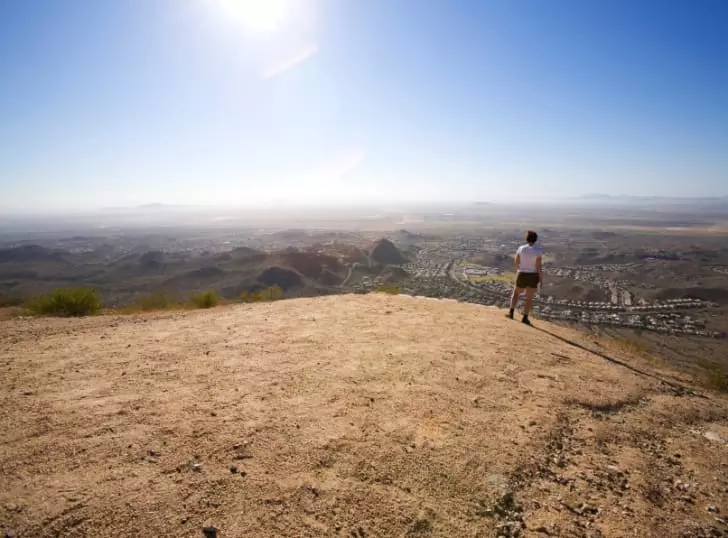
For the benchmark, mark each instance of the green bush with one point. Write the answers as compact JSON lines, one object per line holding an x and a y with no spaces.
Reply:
{"x":273,"y":293}
{"x":67,"y":302}
{"x":154,"y":301}
{"x":387,"y":288}
{"x":206,"y":299}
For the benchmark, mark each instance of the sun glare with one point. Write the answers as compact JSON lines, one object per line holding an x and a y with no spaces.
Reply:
{"x":255,"y":15}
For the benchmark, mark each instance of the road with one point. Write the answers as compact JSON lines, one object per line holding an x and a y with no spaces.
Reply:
{"x":348,"y":275}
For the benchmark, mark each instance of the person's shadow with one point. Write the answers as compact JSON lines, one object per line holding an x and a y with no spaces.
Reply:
{"x":678,"y":389}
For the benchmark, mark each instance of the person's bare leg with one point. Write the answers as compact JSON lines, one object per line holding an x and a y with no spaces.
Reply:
{"x":514,"y":300}
{"x":530,"y":292}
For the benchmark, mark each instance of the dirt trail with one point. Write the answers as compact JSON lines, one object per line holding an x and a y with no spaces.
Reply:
{"x":356,"y":416}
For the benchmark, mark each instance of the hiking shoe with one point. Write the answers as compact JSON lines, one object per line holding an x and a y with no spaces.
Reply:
{"x":509,"y":315}
{"x":526,"y":321}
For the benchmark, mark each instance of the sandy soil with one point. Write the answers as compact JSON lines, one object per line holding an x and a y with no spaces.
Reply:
{"x":357,"y":416}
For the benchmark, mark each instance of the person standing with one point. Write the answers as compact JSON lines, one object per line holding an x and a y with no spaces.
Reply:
{"x":528,"y":275}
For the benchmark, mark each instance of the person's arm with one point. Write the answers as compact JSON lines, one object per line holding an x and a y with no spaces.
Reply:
{"x":518,"y":260}
{"x":538,"y":269}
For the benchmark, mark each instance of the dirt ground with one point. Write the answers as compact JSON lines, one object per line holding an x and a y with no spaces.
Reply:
{"x":356,"y":416}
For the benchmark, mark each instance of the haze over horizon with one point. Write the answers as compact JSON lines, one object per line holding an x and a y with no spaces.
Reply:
{"x":283,"y":102}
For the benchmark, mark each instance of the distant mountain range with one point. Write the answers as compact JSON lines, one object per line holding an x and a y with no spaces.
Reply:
{"x":669,"y":199}
{"x":29,"y":269}
{"x":151,"y":207}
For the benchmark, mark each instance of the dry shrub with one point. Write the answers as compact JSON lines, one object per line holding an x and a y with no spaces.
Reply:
{"x":67,"y":302}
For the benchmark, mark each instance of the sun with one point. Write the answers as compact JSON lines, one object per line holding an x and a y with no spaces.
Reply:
{"x":255,"y":15}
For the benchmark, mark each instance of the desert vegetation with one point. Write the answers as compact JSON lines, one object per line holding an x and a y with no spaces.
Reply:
{"x":66,"y":302}
{"x":272,"y":293}
{"x":77,"y":302}
{"x":388,"y":288}
{"x":715,"y":377}
{"x":154,"y":301}
{"x":205,"y":299}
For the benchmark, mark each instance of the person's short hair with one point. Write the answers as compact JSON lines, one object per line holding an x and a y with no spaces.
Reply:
{"x":531,"y":236}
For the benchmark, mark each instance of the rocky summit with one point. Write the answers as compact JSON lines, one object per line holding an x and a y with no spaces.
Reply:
{"x":366,"y":416}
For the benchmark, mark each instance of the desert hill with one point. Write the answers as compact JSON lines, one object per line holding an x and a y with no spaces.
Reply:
{"x":29,"y":254}
{"x":407,"y":238}
{"x":29,"y":270}
{"x":385,"y":252}
{"x":355,"y":416}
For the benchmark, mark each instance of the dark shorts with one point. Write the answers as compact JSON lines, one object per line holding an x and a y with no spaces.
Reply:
{"x":527,"y":280}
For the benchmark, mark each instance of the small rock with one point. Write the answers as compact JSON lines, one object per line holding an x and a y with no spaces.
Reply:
{"x":532,"y":422}
{"x":184,"y":520}
{"x":213,"y":414}
{"x":209,"y":532}
{"x":28,"y":393}
{"x":712,"y":509}
{"x":233,"y":468}
{"x":197,"y":467}
{"x":542,"y":530}
{"x":712,"y":436}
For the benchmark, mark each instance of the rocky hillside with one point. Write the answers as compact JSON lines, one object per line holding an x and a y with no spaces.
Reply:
{"x":30,"y":270}
{"x":386,"y":253}
{"x":352,"y":416}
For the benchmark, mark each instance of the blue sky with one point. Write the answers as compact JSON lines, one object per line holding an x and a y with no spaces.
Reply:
{"x":253,"y":102}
